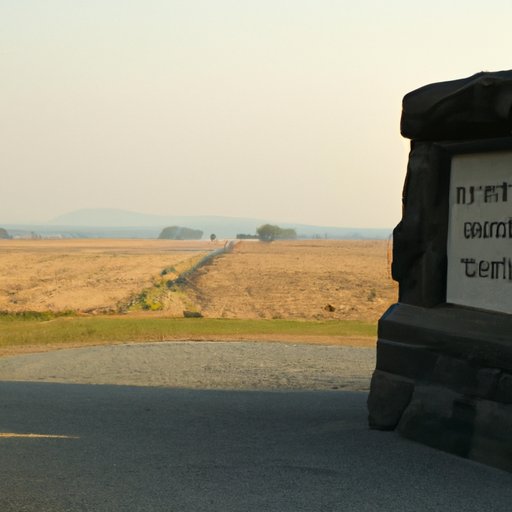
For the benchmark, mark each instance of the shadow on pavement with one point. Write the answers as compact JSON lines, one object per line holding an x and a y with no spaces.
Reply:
{"x":160,"y":449}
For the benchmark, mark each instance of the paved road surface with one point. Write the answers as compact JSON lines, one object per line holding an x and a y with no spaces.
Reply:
{"x":150,"y":448}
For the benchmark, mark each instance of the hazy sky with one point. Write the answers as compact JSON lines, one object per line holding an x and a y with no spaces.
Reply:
{"x":282,"y":109}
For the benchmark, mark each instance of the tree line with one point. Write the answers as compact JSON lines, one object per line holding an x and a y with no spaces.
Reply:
{"x":265,"y":233}
{"x":271,"y":232}
{"x":180,"y":233}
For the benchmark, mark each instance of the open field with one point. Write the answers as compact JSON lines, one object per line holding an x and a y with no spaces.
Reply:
{"x":311,"y":291}
{"x":90,"y":276}
{"x":306,"y":279}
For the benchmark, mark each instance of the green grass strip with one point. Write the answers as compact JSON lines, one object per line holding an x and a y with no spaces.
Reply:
{"x":15,"y":331}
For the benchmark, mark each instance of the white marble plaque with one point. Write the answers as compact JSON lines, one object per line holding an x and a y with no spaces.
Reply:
{"x":480,"y":231}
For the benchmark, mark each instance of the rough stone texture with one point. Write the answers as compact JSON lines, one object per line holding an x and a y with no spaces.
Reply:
{"x":411,"y":361}
{"x":389,"y":396}
{"x":482,"y":337}
{"x":419,"y":240}
{"x":479,"y":106}
{"x":491,"y":442}
{"x":487,"y":383}
{"x":444,"y":372}
{"x":439,"y":418}
{"x":457,"y":374}
{"x":504,"y":391}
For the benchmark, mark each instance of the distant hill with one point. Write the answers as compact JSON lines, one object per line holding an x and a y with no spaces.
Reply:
{"x":108,"y":217}
{"x":114,"y":223}
{"x":223,"y":227}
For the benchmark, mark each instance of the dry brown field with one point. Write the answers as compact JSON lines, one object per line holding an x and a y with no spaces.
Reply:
{"x":308,"y":279}
{"x":291,"y":280}
{"x":91,"y":276}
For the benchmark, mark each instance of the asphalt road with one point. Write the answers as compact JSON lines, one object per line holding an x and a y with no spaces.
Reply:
{"x":150,"y":448}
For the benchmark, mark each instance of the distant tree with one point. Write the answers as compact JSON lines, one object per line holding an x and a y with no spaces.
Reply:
{"x":180,"y":233}
{"x":270,"y":232}
{"x":4,"y":234}
{"x":287,"y":234}
{"x":213,"y":237}
{"x":243,"y":236}
{"x":267,"y":232}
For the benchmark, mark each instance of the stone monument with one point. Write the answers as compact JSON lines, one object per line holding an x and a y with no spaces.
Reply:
{"x":444,"y":351}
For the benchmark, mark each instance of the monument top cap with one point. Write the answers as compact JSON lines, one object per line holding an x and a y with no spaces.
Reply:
{"x":479,"y":106}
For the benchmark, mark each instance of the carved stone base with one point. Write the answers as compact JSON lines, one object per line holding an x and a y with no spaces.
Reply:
{"x":444,"y":378}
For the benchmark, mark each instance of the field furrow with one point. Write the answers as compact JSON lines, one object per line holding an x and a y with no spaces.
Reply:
{"x":298,"y":280}
{"x":85,"y":275}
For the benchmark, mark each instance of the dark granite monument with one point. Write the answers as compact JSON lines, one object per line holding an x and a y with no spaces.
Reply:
{"x":444,"y":351}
